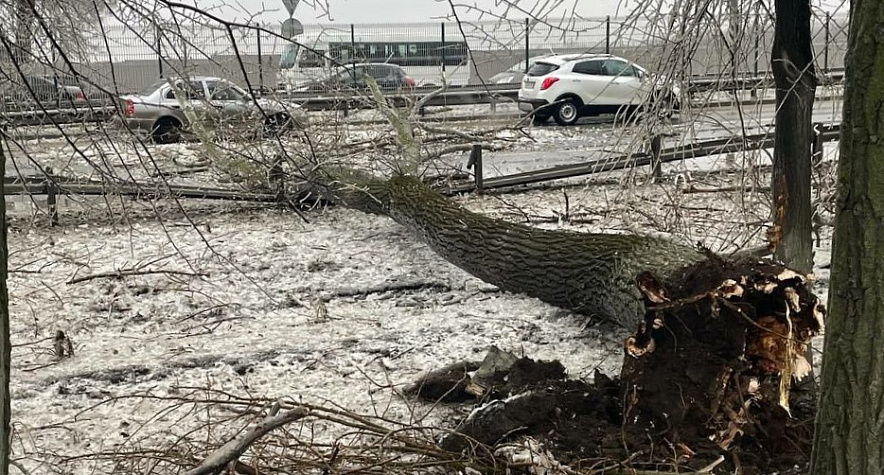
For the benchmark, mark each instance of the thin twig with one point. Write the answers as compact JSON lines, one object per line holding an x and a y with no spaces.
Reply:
{"x":130,"y":272}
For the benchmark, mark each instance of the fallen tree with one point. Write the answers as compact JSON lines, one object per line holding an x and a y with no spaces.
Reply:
{"x":716,"y":343}
{"x":593,"y":274}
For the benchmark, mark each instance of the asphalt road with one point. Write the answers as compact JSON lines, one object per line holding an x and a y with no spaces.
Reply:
{"x":598,"y":137}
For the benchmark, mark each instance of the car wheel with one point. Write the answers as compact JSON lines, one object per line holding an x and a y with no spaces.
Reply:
{"x":278,"y":123}
{"x":664,"y":106}
{"x":166,"y":130}
{"x":567,"y":112}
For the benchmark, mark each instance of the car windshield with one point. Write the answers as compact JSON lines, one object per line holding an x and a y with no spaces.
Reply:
{"x":224,"y":91}
{"x":541,"y":69}
{"x":153,"y":87}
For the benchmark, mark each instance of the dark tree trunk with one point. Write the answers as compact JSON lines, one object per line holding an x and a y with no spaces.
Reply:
{"x":5,"y":340}
{"x":795,"y":88}
{"x":592,"y":274}
{"x":850,"y":424}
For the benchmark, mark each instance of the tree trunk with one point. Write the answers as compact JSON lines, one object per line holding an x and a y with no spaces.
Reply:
{"x":5,"y":341}
{"x":850,"y":423}
{"x":709,"y":333}
{"x":793,"y":72}
{"x":593,"y":274}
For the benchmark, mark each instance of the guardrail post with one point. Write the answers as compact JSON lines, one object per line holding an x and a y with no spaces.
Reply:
{"x":656,"y":163}
{"x":608,"y":34}
{"x":51,"y":198}
{"x":816,"y":154}
{"x":476,"y":164}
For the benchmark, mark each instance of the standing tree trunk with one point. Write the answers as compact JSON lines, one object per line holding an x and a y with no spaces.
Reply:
{"x":5,"y":343}
{"x":796,"y":85}
{"x":850,"y":424}
{"x":791,"y":235}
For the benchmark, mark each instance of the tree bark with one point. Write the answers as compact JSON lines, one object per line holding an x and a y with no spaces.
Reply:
{"x":593,"y":274}
{"x":849,"y":435}
{"x":709,"y":332}
{"x":5,"y":341}
{"x":795,"y":88}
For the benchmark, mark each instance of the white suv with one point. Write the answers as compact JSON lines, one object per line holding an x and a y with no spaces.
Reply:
{"x":569,"y":86}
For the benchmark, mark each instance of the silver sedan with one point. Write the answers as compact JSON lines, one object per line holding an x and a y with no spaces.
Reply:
{"x":173,"y":106}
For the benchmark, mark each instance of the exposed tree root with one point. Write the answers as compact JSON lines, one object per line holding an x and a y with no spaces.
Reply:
{"x":705,"y":381}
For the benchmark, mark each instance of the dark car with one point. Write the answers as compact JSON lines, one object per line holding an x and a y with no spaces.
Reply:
{"x":387,"y":76}
{"x":50,"y":92}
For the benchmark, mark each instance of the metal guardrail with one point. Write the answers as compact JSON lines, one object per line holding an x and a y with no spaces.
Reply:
{"x":823,"y":133}
{"x":38,"y":116}
{"x":750,"y":81}
{"x":53,"y":185}
{"x":456,"y":95}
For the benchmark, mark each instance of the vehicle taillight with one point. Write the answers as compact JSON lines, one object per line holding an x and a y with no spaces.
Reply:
{"x":81,"y":96}
{"x":130,"y":107}
{"x":548,"y":82}
{"x":409,"y":81}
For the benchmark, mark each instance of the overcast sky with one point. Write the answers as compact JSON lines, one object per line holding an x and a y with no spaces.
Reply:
{"x":395,"y":11}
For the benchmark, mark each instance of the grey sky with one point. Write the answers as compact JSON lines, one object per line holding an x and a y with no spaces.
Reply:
{"x":395,"y":11}
{"x":398,"y":11}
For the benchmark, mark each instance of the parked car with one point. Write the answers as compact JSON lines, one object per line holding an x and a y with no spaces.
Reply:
{"x":515,"y":73}
{"x":50,"y":92}
{"x":158,"y":110}
{"x":567,"y":87}
{"x":388,"y":76}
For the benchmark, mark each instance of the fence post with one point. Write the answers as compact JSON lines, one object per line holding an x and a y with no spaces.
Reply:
{"x":353,"y":52}
{"x":51,"y":198}
{"x":656,"y":163}
{"x":159,"y":51}
{"x":443,"y":48}
{"x":527,"y":43}
{"x":476,"y":164}
{"x":758,"y":34}
{"x":608,"y":34}
{"x":260,"y":66}
{"x":754,"y":92}
{"x":826,"y":50}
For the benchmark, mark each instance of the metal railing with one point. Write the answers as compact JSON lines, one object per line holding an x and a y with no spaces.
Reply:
{"x":346,"y":100}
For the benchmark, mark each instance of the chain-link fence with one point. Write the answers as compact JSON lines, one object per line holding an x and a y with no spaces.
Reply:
{"x":126,"y":58}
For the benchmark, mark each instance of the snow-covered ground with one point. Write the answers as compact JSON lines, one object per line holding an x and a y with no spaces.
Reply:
{"x":258,"y":303}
